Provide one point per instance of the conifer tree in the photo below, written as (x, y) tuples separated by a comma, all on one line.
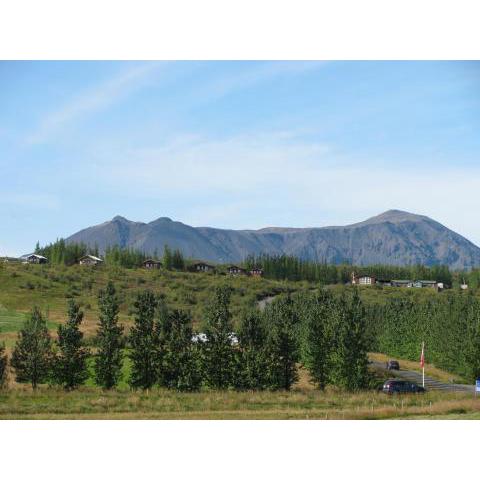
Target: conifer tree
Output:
[(167, 257), (219, 360), (181, 367), (108, 361), (3, 366), (144, 342), (282, 344), (317, 336), (350, 355), (32, 355), (252, 337), (70, 365), (177, 260)]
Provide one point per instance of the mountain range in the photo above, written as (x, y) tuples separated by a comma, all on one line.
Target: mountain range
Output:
[(393, 237)]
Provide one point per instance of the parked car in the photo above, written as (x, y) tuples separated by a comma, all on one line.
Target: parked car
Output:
[(393, 365), (401, 386)]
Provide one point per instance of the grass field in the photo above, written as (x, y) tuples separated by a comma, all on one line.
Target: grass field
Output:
[(50, 287), (52, 403)]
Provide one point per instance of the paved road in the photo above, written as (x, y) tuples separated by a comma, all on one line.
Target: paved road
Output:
[(430, 383)]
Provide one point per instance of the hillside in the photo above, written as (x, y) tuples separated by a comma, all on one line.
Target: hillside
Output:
[(394, 237)]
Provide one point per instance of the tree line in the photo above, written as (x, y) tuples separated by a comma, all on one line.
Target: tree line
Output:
[(63, 253), (448, 324), (325, 334), (287, 267)]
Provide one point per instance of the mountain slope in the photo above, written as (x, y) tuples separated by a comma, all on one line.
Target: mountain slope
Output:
[(393, 237)]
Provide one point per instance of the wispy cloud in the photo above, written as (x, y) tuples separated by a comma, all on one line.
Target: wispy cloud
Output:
[(96, 99), (257, 73)]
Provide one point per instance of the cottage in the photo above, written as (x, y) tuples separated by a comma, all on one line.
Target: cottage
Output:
[(464, 286), (34, 258), (202, 267), (234, 270), (402, 283), (90, 260), (151, 264), (363, 280), (426, 284), (384, 282), (256, 272)]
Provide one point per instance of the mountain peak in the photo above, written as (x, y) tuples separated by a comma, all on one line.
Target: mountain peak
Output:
[(394, 216), (162, 220), (119, 218)]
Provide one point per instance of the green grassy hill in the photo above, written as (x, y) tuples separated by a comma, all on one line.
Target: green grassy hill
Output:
[(49, 287)]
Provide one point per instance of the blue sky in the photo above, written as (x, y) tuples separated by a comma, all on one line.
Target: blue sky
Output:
[(235, 144)]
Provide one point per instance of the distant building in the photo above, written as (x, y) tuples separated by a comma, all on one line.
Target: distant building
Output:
[(383, 282), (151, 264), (234, 270), (256, 272), (34, 258), (363, 279), (202, 267), (90, 260), (426, 284), (463, 286), (402, 283)]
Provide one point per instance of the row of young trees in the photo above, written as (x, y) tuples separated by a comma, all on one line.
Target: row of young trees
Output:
[(449, 326), (286, 267), (325, 333)]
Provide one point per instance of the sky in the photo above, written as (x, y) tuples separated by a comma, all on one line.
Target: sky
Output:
[(235, 144)]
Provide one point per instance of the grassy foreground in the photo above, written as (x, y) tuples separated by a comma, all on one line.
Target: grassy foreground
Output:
[(91, 403)]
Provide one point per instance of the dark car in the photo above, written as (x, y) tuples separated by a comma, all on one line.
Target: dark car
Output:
[(393, 365), (401, 386)]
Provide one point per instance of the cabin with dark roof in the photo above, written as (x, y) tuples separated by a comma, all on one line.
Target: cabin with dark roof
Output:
[(151, 264), (235, 271), (256, 272), (201, 267)]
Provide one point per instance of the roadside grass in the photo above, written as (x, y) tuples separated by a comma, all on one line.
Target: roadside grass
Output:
[(87, 402), (430, 369)]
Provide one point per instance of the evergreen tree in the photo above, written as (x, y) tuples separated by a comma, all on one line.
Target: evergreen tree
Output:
[(282, 344), (70, 366), (144, 342), (219, 359), (317, 336), (350, 354), (108, 361), (32, 355), (177, 260), (3, 366), (167, 257), (181, 367), (252, 337)]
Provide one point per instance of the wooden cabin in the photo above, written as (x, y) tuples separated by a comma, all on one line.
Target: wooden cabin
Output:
[(202, 267), (235, 271), (363, 280), (428, 284), (256, 272), (151, 264), (34, 258), (90, 260), (402, 283)]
